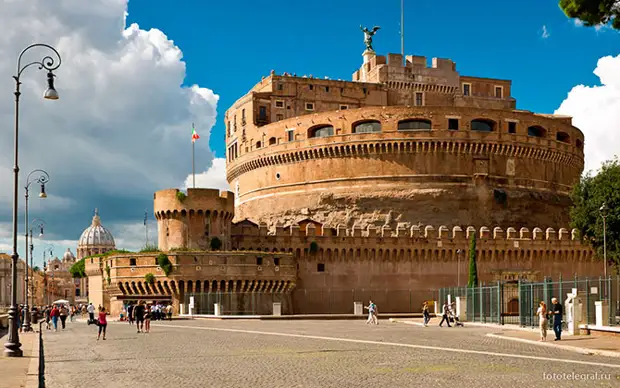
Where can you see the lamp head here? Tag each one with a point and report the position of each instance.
(42, 194)
(50, 93)
(603, 208)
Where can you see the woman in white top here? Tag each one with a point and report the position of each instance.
(542, 319)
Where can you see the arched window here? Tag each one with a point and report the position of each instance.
(321, 131)
(563, 137)
(414, 125)
(482, 125)
(258, 144)
(367, 126)
(536, 131)
(272, 140)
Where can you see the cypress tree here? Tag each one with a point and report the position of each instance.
(473, 271)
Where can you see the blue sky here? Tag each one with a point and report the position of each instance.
(229, 45)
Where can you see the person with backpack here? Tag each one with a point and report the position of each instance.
(55, 313)
(91, 313)
(102, 322)
(372, 313)
(63, 315)
(426, 314)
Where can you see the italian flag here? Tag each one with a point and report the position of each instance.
(194, 134)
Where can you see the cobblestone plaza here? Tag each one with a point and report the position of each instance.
(293, 353)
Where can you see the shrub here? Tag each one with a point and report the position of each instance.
(216, 244)
(164, 262)
(181, 196)
(149, 278)
(78, 270)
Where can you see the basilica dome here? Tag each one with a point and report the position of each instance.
(68, 256)
(95, 239)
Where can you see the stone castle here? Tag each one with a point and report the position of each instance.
(345, 191)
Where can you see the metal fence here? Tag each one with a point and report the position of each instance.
(516, 302)
(236, 303)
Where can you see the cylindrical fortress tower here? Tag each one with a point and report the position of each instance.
(191, 221)
(431, 165)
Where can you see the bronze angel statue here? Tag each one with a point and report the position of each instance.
(368, 34)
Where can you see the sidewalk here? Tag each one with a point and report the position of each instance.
(16, 372)
(586, 344)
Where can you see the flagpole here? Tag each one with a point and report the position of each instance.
(193, 161)
(402, 28)
(146, 229)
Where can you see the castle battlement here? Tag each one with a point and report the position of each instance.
(170, 200)
(428, 232)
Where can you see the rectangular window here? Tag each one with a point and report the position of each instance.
(419, 99)
(242, 116)
(467, 89)
(320, 267)
(327, 89)
(279, 104)
(311, 87)
(309, 106)
(290, 135)
(453, 124)
(512, 127)
(276, 261)
(499, 92)
(132, 262)
(280, 87)
(364, 90)
(262, 113)
(344, 107)
(279, 117)
(259, 261)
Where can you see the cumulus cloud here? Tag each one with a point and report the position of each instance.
(213, 178)
(596, 111)
(545, 33)
(122, 126)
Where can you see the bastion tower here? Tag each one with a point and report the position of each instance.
(403, 143)
(192, 221)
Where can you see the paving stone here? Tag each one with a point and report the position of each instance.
(192, 353)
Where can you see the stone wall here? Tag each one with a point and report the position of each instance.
(437, 176)
(402, 268)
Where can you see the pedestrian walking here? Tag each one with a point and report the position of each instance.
(372, 313)
(453, 316)
(557, 318)
(55, 313)
(63, 315)
(445, 315)
(91, 313)
(426, 313)
(130, 313)
(103, 323)
(148, 314)
(169, 311)
(139, 311)
(542, 320)
(47, 316)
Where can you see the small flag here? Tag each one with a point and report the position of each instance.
(194, 134)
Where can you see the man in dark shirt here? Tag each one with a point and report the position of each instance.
(138, 312)
(557, 318)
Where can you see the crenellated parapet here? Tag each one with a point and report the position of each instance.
(428, 243)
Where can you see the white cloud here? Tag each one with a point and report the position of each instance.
(545, 32)
(596, 111)
(578, 22)
(122, 126)
(213, 178)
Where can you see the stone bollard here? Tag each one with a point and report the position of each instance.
(358, 308)
(277, 309)
(437, 307)
(602, 312)
(217, 309)
(461, 308)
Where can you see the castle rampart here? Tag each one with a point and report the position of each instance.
(192, 220)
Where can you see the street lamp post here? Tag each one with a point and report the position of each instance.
(41, 177)
(603, 211)
(34, 224)
(458, 266)
(12, 348)
(45, 285)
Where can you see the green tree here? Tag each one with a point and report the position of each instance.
(588, 196)
(473, 270)
(593, 12)
(216, 244)
(78, 269)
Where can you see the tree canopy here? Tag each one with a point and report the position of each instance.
(78, 269)
(593, 12)
(588, 197)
